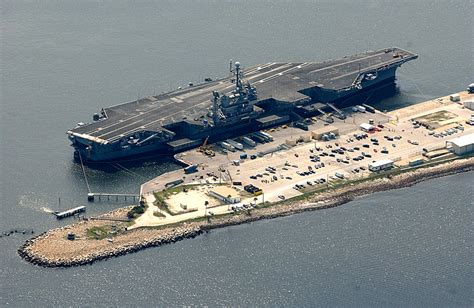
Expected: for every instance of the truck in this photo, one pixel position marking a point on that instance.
(360, 108)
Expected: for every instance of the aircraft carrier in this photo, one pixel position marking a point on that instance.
(247, 100)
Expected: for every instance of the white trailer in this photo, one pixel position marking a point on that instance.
(235, 144)
(264, 135)
(249, 141)
(227, 146)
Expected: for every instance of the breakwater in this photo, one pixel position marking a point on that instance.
(102, 255)
(50, 249)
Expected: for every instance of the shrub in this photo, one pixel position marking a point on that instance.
(136, 211)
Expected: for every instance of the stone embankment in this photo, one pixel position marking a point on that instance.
(52, 249)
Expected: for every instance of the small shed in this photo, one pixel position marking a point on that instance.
(383, 164)
(455, 97)
(290, 142)
(366, 127)
(325, 130)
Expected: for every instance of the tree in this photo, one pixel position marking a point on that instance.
(206, 203)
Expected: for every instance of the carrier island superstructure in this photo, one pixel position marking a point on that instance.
(247, 100)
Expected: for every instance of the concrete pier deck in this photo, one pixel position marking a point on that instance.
(413, 142)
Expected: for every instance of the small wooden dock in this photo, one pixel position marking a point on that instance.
(91, 196)
(70, 212)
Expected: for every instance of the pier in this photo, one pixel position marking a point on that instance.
(70, 212)
(91, 196)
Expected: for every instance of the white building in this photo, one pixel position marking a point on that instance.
(226, 194)
(469, 105)
(461, 145)
(455, 97)
(383, 164)
(366, 127)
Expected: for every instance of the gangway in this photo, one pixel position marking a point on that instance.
(339, 113)
(326, 117)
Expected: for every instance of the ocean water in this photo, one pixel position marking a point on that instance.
(61, 61)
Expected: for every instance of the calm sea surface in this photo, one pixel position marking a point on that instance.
(61, 61)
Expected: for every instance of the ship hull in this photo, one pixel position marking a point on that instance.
(383, 87)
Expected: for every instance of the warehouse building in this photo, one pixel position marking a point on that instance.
(461, 145)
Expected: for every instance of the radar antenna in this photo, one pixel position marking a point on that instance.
(238, 77)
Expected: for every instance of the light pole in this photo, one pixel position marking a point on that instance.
(206, 203)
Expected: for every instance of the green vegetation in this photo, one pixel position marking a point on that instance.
(98, 233)
(136, 211)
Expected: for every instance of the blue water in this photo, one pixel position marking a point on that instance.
(61, 61)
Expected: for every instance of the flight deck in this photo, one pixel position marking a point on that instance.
(296, 84)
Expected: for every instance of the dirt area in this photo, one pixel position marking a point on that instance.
(190, 200)
(437, 119)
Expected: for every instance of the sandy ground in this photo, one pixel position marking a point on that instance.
(194, 198)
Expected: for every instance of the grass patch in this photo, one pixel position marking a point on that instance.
(98, 233)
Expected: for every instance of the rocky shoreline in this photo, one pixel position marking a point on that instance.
(52, 249)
